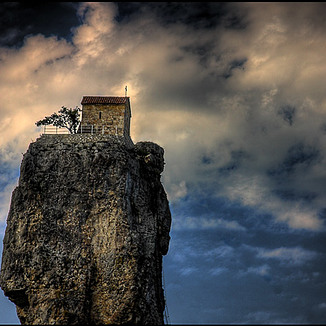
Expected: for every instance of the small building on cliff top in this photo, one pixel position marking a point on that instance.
(106, 115)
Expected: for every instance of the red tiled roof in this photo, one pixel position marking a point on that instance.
(104, 100)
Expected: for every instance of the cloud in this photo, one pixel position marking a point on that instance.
(204, 223)
(237, 102)
(9, 159)
(5, 196)
(265, 317)
(294, 256)
(268, 277)
(263, 270)
(188, 271)
(217, 271)
(177, 191)
(322, 305)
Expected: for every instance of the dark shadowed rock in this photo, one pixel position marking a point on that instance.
(87, 227)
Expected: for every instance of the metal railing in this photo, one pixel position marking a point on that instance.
(82, 129)
(53, 130)
(96, 129)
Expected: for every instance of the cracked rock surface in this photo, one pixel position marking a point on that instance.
(86, 231)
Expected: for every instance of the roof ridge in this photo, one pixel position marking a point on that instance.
(103, 99)
(103, 96)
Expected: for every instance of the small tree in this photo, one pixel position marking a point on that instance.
(67, 118)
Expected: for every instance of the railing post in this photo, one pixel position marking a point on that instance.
(102, 130)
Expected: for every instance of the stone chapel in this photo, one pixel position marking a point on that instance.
(106, 115)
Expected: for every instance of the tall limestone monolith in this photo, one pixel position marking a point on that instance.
(86, 231)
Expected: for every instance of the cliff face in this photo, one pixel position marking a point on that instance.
(86, 231)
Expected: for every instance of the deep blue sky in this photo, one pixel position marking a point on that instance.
(234, 92)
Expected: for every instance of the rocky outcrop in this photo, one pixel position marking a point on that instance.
(87, 227)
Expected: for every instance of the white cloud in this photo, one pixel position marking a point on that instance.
(205, 223)
(293, 256)
(177, 191)
(188, 271)
(5, 196)
(263, 270)
(221, 251)
(217, 270)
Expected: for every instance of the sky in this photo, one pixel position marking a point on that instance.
(235, 94)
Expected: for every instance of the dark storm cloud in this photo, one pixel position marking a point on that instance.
(293, 195)
(192, 32)
(20, 19)
(288, 114)
(298, 156)
(234, 163)
(198, 15)
(235, 64)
